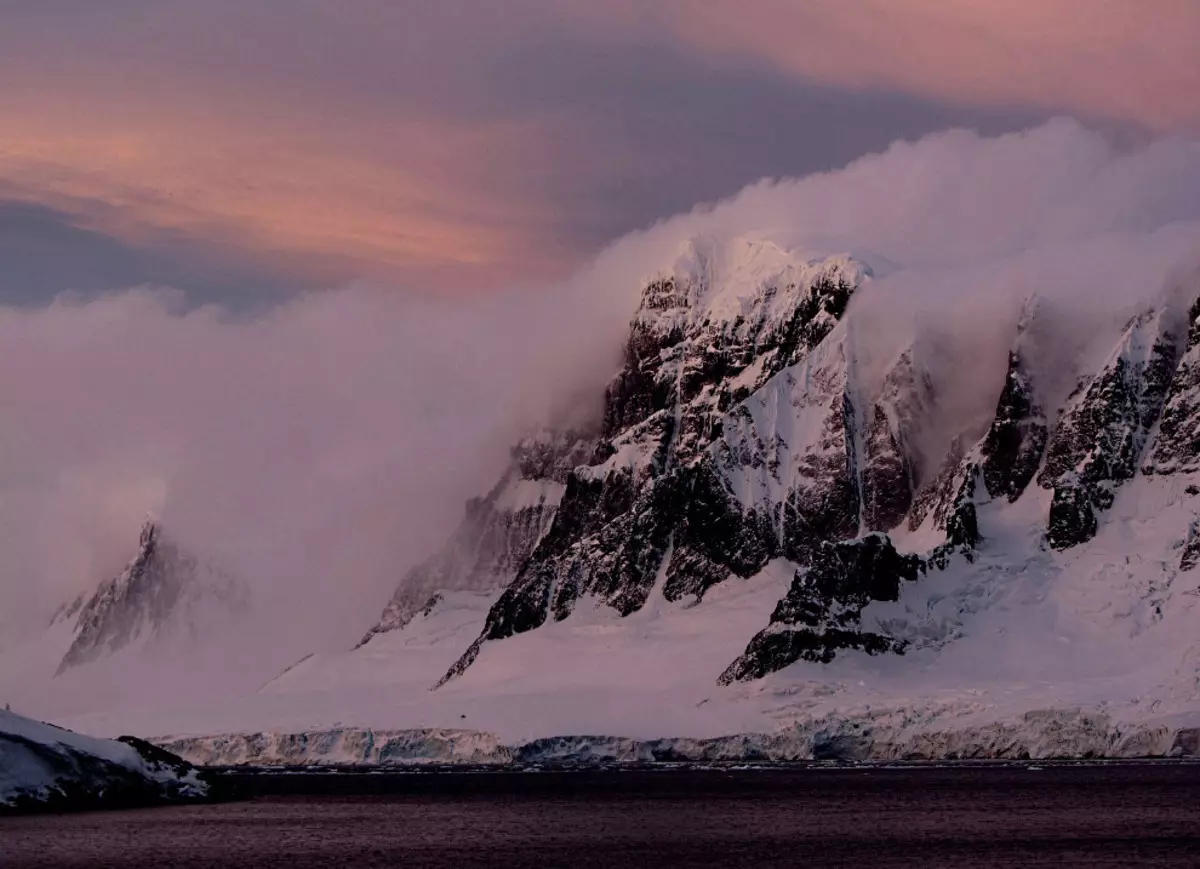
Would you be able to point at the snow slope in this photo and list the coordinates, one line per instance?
(46, 766)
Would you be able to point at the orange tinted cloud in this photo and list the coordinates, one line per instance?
(264, 187)
(396, 140)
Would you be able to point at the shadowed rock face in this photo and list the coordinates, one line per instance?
(498, 531)
(1005, 460)
(1190, 556)
(1099, 440)
(890, 464)
(822, 612)
(162, 593)
(1016, 440)
(1177, 447)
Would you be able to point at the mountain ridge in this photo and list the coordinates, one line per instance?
(739, 430)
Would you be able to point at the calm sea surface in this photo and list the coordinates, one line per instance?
(1115, 815)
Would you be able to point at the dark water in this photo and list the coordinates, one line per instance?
(1118, 815)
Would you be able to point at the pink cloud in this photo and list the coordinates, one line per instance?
(1125, 60)
(386, 143)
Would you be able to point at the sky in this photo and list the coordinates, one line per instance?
(243, 151)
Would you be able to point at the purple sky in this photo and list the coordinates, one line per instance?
(246, 149)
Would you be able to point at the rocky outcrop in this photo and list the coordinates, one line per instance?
(891, 460)
(1177, 445)
(1013, 447)
(1098, 442)
(1000, 465)
(1189, 557)
(163, 593)
(950, 501)
(498, 531)
(822, 611)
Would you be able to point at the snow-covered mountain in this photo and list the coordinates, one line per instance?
(797, 518)
(498, 531)
(164, 594)
(43, 767)
(744, 433)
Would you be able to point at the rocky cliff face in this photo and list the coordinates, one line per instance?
(1103, 430)
(1016, 440)
(1177, 447)
(163, 592)
(498, 531)
(822, 611)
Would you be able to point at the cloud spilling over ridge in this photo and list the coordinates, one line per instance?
(317, 448)
(320, 447)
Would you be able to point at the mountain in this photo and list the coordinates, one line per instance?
(805, 523)
(743, 428)
(1177, 447)
(46, 768)
(656, 506)
(1102, 434)
(163, 594)
(498, 531)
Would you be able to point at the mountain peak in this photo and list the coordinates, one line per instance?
(162, 591)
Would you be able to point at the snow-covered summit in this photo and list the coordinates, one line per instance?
(747, 284)
(163, 594)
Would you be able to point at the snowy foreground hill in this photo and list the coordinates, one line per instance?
(804, 525)
(42, 766)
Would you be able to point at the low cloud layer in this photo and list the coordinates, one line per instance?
(323, 445)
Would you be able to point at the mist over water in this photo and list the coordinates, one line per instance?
(318, 449)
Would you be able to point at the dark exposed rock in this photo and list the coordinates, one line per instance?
(890, 465)
(951, 498)
(1098, 442)
(822, 611)
(1190, 556)
(1177, 446)
(715, 535)
(1073, 512)
(886, 480)
(962, 522)
(1013, 446)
